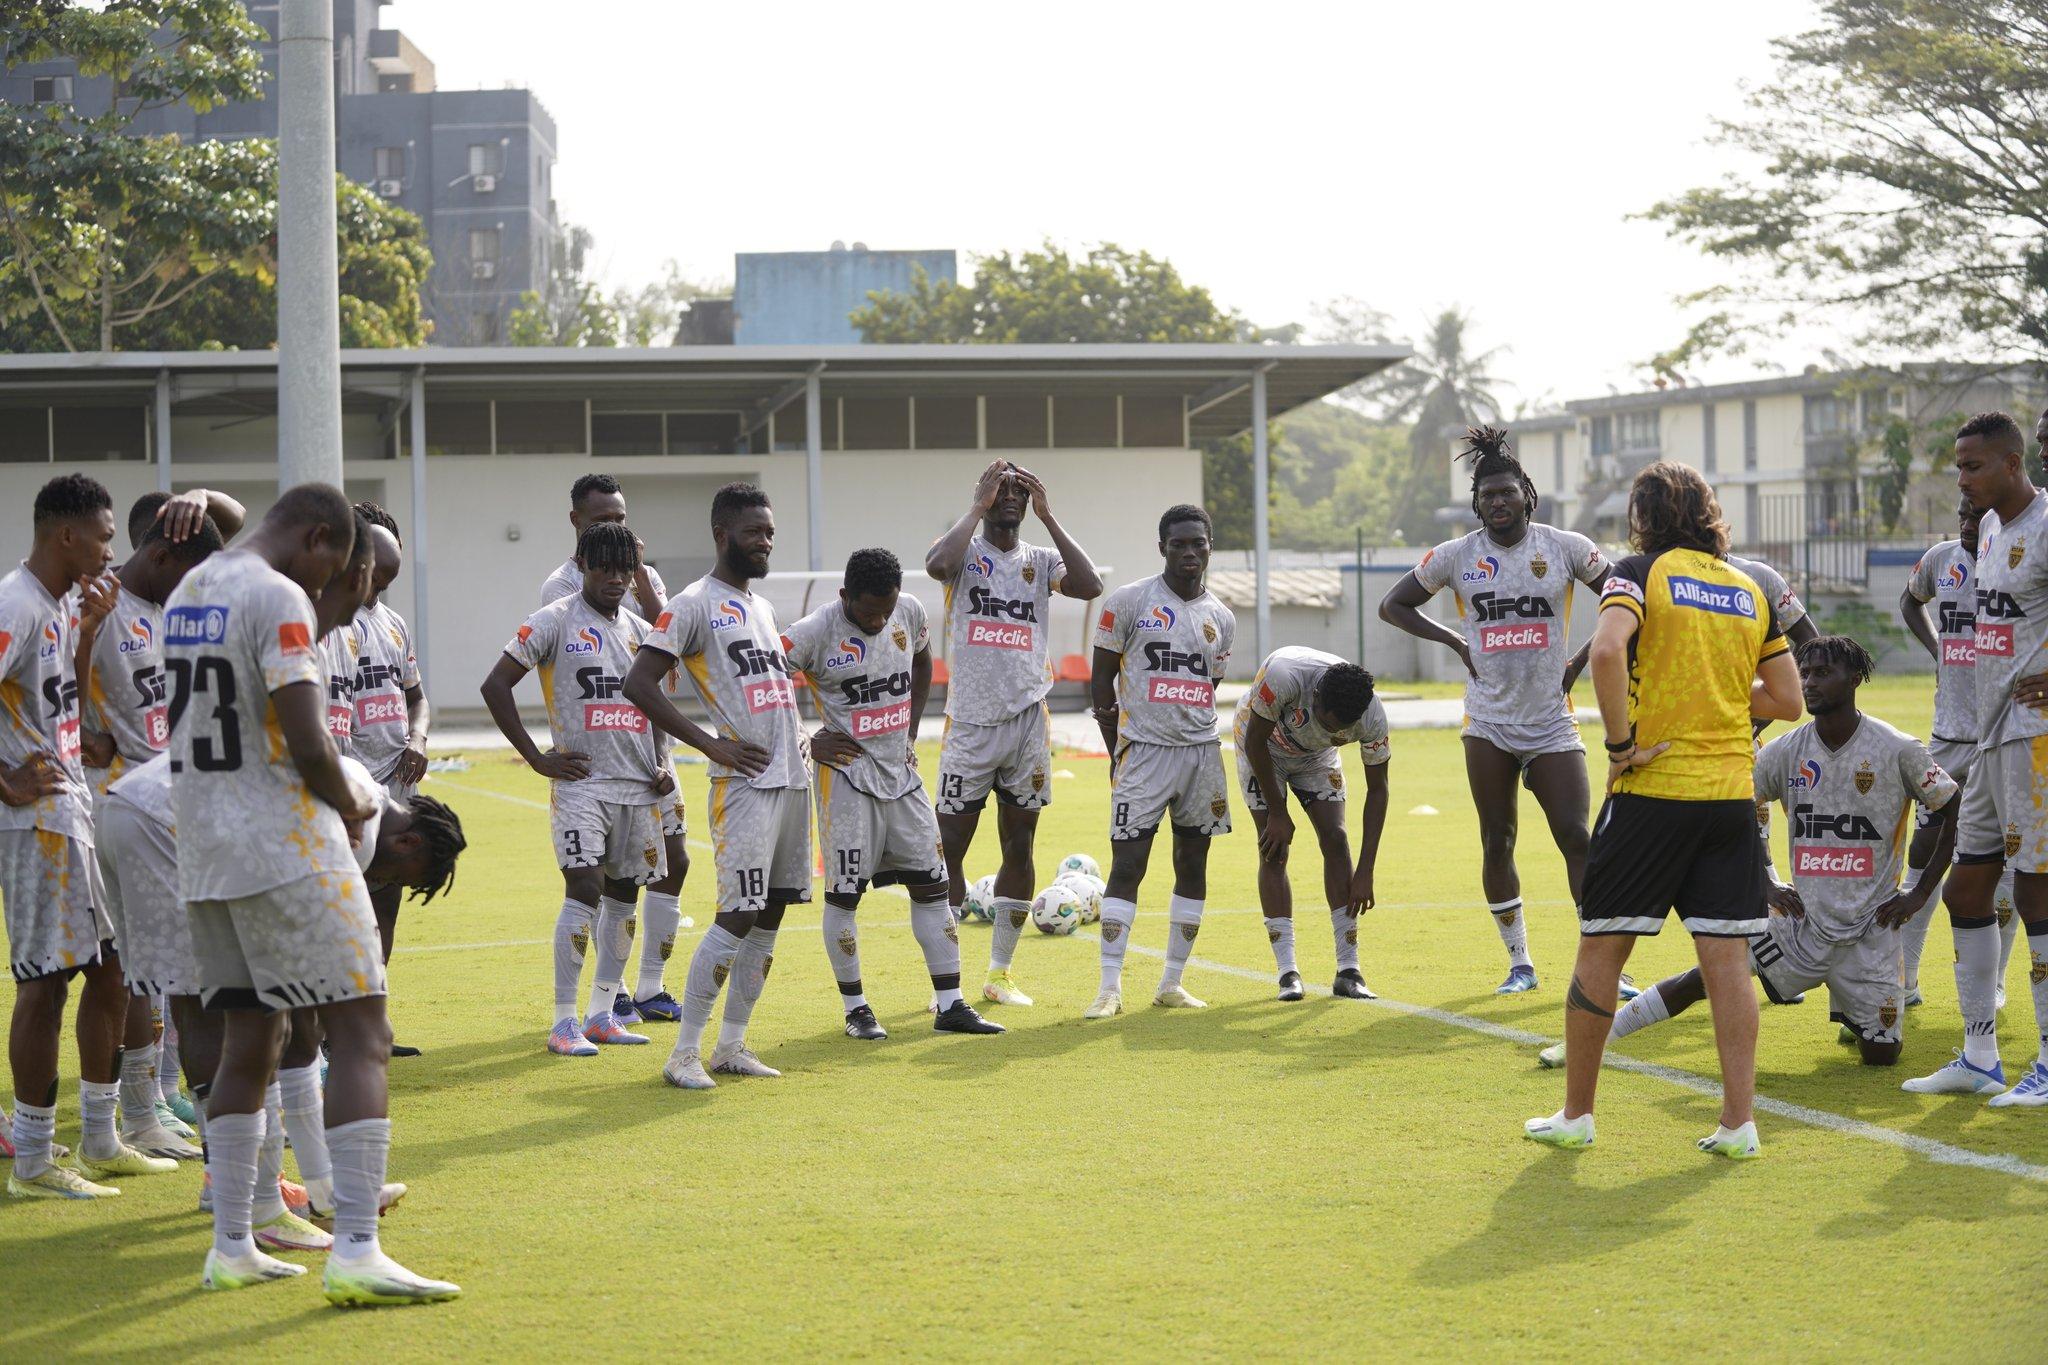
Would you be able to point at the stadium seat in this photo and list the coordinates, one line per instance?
(940, 673)
(1071, 668)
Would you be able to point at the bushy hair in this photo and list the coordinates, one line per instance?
(1344, 690)
(361, 552)
(1488, 449)
(1998, 428)
(442, 830)
(1185, 511)
(192, 548)
(71, 495)
(377, 516)
(1841, 651)
(143, 515)
(728, 502)
(591, 483)
(608, 547)
(1673, 507)
(873, 573)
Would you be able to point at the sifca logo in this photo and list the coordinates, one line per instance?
(1485, 571)
(849, 653)
(730, 613)
(1807, 778)
(587, 641)
(141, 637)
(999, 622)
(1195, 690)
(1159, 618)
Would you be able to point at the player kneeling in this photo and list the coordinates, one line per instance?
(1848, 781)
(867, 658)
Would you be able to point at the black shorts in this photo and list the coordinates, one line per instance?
(1651, 855)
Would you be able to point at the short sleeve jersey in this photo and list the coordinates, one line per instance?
(125, 695)
(862, 686)
(581, 658)
(996, 610)
(1947, 577)
(339, 651)
(39, 702)
(2012, 620)
(235, 631)
(1173, 653)
(1786, 608)
(726, 640)
(1851, 812)
(1283, 692)
(387, 667)
(1704, 629)
(1515, 604)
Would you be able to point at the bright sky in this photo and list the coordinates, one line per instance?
(1415, 156)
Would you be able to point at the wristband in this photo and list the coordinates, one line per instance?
(1623, 747)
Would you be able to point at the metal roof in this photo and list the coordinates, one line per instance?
(1214, 378)
(1319, 588)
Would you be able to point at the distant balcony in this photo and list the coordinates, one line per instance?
(400, 66)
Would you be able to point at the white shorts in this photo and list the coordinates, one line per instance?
(1311, 777)
(2005, 807)
(1956, 757)
(623, 842)
(760, 844)
(309, 942)
(1154, 781)
(139, 864)
(56, 908)
(871, 840)
(1014, 758)
(1527, 743)
(1865, 977)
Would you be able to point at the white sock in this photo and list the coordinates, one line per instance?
(614, 947)
(664, 917)
(232, 1144)
(167, 1059)
(750, 968)
(1011, 915)
(138, 1088)
(1646, 1009)
(1280, 933)
(305, 1122)
(1913, 940)
(97, 1103)
(361, 1151)
(32, 1128)
(710, 965)
(1514, 929)
(1183, 922)
(2037, 952)
(842, 950)
(1344, 930)
(572, 939)
(931, 924)
(1977, 991)
(1118, 916)
(268, 1202)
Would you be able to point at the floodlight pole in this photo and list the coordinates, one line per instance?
(308, 311)
(416, 414)
(1262, 548)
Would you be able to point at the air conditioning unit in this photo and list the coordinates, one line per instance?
(482, 270)
(485, 184)
(390, 189)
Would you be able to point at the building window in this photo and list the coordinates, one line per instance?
(540, 427)
(1828, 415)
(1636, 430)
(1154, 421)
(87, 435)
(486, 158)
(455, 427)
(876, 423)
(1603, 435)
(1084, 422)
(946, 423)
(24, 435)
(625, 433)
(483, 245)
(391, 163)
(1017, 421)
(51, 89)
(709, 433)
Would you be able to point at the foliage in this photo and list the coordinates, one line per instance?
(573, 311)
(1903, 147)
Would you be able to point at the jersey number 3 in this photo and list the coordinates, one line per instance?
(208, 676)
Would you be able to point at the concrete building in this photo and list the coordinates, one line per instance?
(473, 450)
(804, 298)
(477, 166)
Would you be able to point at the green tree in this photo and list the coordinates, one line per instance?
(572, 310)
(120, 241)
(1902, 185)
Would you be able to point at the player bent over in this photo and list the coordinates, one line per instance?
(998, 731)
(1848, 783)
(278, 908)
(607, 779)
(867, 659)
(1303, 707)
(1160, 646)
(724, 638)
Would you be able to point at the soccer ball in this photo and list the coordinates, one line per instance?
(1057, 909)
(1089, 889)
(980, 902)
(1078, 862)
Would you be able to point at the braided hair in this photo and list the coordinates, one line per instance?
(441, 828)
(1841, 651)
(1488, 450)
(377, 516)
(608, 547)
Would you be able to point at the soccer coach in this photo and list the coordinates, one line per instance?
(1685, 652)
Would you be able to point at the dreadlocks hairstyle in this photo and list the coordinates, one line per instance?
(728, 502)
(377, 516)
(1842, 652)
(1488, 450)
(1185, 511)
(359, 554)
(1672, 507)
(873, 573)
(441, 828)
(192, 548)
(609, 548)
(71, 495)
(1997, 428)
(591, 483)
(143, 515)
(1344, 690)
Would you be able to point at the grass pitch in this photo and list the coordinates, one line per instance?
(1321, 1178)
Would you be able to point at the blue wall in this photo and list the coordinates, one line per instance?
(803, 297)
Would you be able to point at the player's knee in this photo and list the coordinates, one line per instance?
(847, 903)
(40, 1003)
(1571, 838)
(583, 884)
(1335, 845)
(1497, 839)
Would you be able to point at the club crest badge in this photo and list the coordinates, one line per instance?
(1209, 631)
(1030, 573)
(2012, 841)
(847, 945)
(1111, 931)
(1539, 566)
(719, 972)
(1336, 781)
(2018, 552)
(902, 640)
(1038, 779)
(1017, 918)
(1888, 1012)
(1865, 778)
(2039, 971)
(1188, 931)
(1218, 807)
